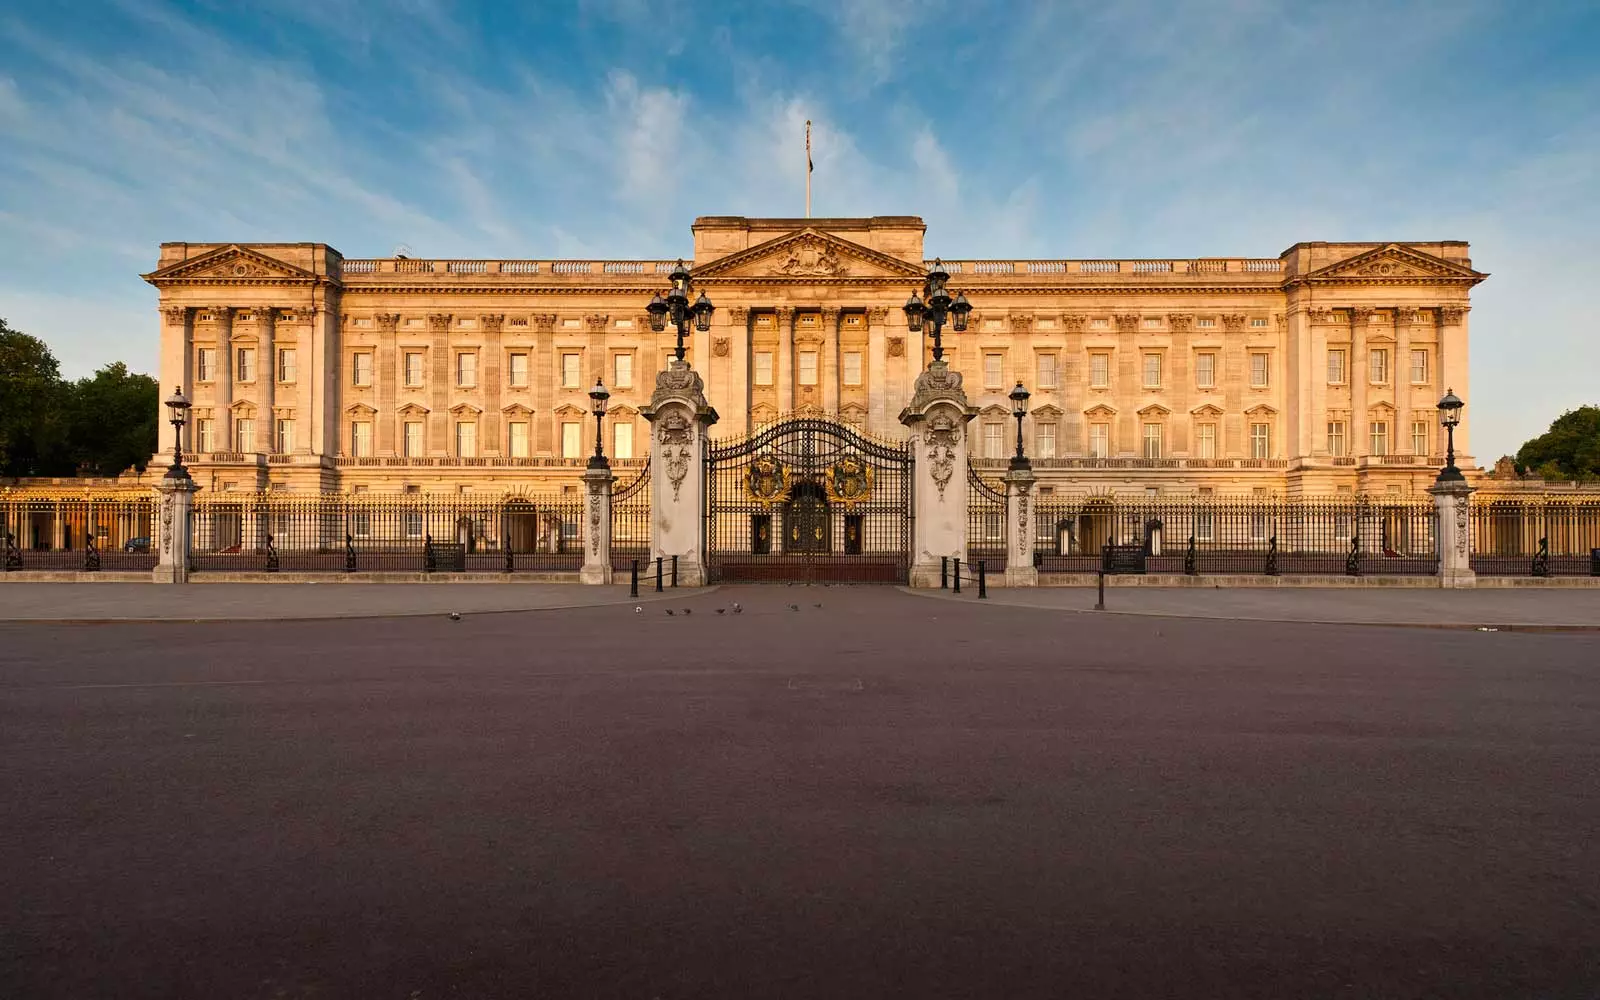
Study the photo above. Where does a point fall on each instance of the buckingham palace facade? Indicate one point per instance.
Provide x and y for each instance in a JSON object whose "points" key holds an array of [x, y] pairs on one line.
{"points": [[1314, 372]]}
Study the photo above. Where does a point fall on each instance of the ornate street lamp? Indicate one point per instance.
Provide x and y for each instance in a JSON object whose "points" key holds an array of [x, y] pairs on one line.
{"points": [[599, 396], [1449, 416], [938, 307], [676, 307], [178, 404], [1019, 409]]}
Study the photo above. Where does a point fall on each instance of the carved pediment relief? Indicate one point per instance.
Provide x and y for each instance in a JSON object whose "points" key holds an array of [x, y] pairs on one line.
{"points": [[568, 410], [1206, 410], [622, 411], [465, 410], [1154, 410], [1395, 262], [1100, 410], [516, 410], [762, 414], [413, 410], [996, 410], [1261, 410], [230, 264], [809, 254], [1047, 410], [360, 409]]}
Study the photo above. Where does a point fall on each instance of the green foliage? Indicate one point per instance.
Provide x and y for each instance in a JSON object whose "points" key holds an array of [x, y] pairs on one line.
{"points": [[1569, 450], [49, 427]]}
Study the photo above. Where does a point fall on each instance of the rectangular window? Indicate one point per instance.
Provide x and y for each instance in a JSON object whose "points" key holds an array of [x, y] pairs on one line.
{"points": [[361, 368], [286, 365], [246, 369], [519, 438], [413, 369], [852, 368], [1099, 371], [994, 440], [361, 438], [1205, 370], [283, 441], [1152, 371], [517, 370], [1047, 371], [622, 440], [1380, 437], [466, 439], [1419, 437], [1419, 367], [1336, 438], [1258, 370], [205, 435], [1099, 440], [763, 367], [1204, 525], [808, 367], [1206, 441], [1044, 440], [571, 377], [1260, 440], [244, 434], [622, 371], [992, 371], [205, 364], [1258, 323], [466, 370], [1378, 365], [571, 440], [1336, 367], [411, 445], [412, 524], [1152, 441], [361, 521]]}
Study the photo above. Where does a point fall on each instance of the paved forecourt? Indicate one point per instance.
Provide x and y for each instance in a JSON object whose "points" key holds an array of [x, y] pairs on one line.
{"points": [[106, 602], [846, 792], [1529, 608]]}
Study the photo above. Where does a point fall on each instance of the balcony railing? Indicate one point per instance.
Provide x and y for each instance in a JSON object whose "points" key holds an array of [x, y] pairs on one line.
{"points": [[1210, 267]]}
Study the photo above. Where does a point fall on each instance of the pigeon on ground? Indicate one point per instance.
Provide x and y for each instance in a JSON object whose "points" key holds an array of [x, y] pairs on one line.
{"points": [[455, 616], [669, 612], [721, 610], [794, 607], [738, 608], [688, 611], [817, 605], [637, 609]]}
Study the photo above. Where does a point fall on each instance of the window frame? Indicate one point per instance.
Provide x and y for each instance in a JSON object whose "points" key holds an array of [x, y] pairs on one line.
{"points": [[807, 366], [1102, 430], [1146, 437], [849, 359], [758, 361], [576, 436], [1378, 443], [1261, 439], [1338, 431], [1102, 361], [421, 449], [1043, 431], [618, 359], [422, 369], [1343, 357], [205, 364], [1047, 359], [357, 449], [461, 369], [1378, 372], [244, 367], [995, 378], [244, 434], [515, 379], [283, 435], [356, 370], [1210, 368], [288, 373], [466, 434], [1144, 369], [1266, 369], [1205, 439], [619, 430], [512, 427], [1420, 352]]}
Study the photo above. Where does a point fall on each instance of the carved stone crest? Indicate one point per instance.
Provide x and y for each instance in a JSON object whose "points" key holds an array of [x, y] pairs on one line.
{"points": [[596, 491], [848, 482], [720, 347], [811, 258], [1462, 528], [942, 451], [897, 347], [767, 481], [676, 436]]}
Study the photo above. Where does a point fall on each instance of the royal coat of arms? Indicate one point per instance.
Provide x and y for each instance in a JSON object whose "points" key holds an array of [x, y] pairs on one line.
{"points": [[849, 482], [767, 481]]}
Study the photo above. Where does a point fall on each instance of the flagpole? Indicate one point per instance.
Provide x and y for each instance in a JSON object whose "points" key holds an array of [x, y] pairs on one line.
{"points": [[808, 168]]}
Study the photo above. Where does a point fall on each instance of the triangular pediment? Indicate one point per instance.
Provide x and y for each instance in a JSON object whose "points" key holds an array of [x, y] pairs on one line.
{"points": [[809, 255], [1395, 262], [1206, 410], [1154, 410], [232, 263], [413, 410], [464, 410], [1101, 410], [360, 410], [1261, 410], [1047, 410], [996, 410]]}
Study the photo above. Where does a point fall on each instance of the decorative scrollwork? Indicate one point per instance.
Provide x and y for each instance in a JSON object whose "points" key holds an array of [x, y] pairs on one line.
{"points": [[768, 481], [848, 482], [942, 451]]}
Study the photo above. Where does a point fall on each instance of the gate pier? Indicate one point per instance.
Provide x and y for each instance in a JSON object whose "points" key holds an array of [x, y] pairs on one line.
{"points": [[937, 418], [679, 420]]}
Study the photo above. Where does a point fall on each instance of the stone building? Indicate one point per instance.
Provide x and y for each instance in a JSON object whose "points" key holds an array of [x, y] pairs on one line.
{"points": [[1313, 372]]}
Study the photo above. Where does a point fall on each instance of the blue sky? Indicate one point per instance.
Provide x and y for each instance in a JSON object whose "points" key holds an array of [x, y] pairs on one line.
{"points": [[588, 128]]}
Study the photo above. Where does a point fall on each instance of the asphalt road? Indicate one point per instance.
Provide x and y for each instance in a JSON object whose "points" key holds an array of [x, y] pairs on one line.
{"points": [[886, 796]]}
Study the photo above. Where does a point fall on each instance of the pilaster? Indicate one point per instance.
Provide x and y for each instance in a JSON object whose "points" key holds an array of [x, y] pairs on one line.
{"points": [[1451, 500], [439, 383], [266, 378], [177, 371], [1020, 571], [387, 376], [739, 359], [828, 363], [877, 373], [597, 483], [785, 316], [174, 503], [490, 438], [1453, 374], [222, 390], [1360, 427]]}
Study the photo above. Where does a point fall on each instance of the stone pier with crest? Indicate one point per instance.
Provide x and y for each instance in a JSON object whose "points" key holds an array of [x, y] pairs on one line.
{"points": [[937, 419], [680, 419]]}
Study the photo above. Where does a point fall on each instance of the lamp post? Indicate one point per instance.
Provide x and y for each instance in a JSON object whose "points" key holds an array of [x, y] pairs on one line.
{"points": [[599, 396], [1449, 416], [178, 404], [676, 307], [938, 307], [1019, 409]]}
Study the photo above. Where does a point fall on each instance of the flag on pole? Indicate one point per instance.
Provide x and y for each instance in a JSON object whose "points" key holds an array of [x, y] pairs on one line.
{"points": [[809, 167]]}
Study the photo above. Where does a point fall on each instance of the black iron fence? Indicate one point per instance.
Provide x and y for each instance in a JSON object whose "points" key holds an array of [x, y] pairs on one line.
{"points": [[986, 521], [81, 534], [630, 521], [1535, 536], [411, 533], [1256, 535]]}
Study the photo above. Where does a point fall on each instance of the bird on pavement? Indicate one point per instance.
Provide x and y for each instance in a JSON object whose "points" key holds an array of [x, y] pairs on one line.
{"points": [[455, 616], [794, 607], [637, 609], [688, 611], [669, 612], [721, 610], [738, 608]]}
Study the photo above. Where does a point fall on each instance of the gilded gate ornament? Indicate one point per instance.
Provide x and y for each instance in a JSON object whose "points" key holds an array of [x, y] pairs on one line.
{"points": [[767, 481], [848, 482]]}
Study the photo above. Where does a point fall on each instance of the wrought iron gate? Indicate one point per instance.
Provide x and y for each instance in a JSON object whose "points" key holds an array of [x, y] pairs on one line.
{"points": [[808, 499], [986, 522], [630, 521]]}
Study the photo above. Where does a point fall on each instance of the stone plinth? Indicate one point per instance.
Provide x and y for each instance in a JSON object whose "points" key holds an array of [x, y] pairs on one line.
{"points": [[1451, 499], [597, 482], [937, 419], [680, 419], [1020, 571], [175, 527]]}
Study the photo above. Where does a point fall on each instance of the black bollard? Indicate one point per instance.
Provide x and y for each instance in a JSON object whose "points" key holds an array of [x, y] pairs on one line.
{"points": [[658, 574], [633, 581], [674, 572], [983, 583], [1100, 602], [944, 572], [958, 575]]}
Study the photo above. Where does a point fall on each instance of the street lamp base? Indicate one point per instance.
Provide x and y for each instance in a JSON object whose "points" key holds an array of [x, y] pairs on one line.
{"points": [[599, 462]]}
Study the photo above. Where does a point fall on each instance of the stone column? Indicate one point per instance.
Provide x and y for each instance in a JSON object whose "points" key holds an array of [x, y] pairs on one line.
{"points": [[543, 365], [877, 374], [1360, 426], [387, 375], [222, 388], [307, 421], [785, 376], [491, 378], [177, 370], [936, 419], [266, 379], [1400, 375], [1455, 534], [441, 380], [739, 361], [828, 364], [174, 528], [597, 481], [680, 419], [1453, 372], [1020, 571]]}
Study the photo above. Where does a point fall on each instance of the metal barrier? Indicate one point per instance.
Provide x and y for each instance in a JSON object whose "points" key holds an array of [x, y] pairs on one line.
{"points": [[82, 534]]}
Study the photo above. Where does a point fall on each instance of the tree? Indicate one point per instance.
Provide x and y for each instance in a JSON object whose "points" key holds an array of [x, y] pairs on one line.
{"points": [[1570, 449], [111, 421], [32, 432]]}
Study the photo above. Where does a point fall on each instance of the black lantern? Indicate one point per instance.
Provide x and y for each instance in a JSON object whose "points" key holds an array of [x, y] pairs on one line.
{"points": [[676, 307], [599, 397], [178, 416], [1450, 416], [938, 307], [1019, 409]]}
